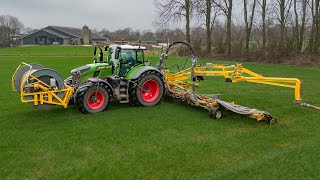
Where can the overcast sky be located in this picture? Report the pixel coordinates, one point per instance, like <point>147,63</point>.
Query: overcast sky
<point>109,14</point>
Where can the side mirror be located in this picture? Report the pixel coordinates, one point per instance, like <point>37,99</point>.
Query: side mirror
<point>117,53</point>
<point>147,63</point>
<point>95,51</point>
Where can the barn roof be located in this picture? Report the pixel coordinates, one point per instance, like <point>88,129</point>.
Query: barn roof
<point>76,32</point>
<point>63,32</point>
<point>69,30</point>
<point>55,33</point>
<point>46,30</point>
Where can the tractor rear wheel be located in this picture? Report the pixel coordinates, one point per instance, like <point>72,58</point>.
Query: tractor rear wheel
<point>148,90</point>
<point>95,99</point>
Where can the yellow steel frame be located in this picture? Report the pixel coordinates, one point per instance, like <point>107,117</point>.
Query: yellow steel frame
<point>236,73</point>
<point>15,73</point>
<point>179,92</point>
<point>45,93</point>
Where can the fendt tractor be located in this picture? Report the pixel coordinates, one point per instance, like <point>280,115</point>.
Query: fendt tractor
<point>126,76</point>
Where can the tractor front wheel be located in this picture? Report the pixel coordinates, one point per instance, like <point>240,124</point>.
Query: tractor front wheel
<point>148,90</point>
<point>95,99</point>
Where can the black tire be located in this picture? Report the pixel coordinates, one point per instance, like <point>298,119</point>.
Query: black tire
<point>86,100</point>
<point>269,119</point>
<point>138,88</point>
<point>216,114</point>
<point>272,121</point>
<point>71,100</point>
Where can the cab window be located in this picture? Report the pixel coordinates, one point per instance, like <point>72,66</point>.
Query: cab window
<point>128,55</point>
<point>140,55</point>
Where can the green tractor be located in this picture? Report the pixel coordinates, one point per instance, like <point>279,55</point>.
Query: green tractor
<point>123,75</point>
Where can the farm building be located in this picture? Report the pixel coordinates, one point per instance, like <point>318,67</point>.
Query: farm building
<point>63,35</point>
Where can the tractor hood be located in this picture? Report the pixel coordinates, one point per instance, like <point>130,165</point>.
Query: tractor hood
<point>82,73</point>
<point>80,70</point>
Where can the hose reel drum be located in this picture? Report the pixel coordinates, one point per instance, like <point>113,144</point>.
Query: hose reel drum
<point>32,74</point>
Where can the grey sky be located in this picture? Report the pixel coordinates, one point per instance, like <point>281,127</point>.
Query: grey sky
<point>109,14</point>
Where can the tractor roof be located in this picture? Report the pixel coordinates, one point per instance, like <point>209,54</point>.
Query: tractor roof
<point>132,47</point>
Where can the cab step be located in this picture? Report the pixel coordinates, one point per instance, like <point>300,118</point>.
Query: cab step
<point>123,91</point>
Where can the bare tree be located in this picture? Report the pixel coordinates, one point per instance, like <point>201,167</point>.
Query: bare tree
<point>283,14</point>
<point>263,5</point>
<point>314,27</point>
<point>187,16</point>
<point>314,36</point>
<point>226,7</point>
<point>207,10</point>
<point>300,20</point>
<point>228,4</point>
<point>208,24</point>
<point>174,11</point>
<point>27,30</point>
<point>148,36</point>
<point>303,25</point>
<point>9,26</point>
<point>283,25</point>
<point>248,20</point>
<point>296,28</point>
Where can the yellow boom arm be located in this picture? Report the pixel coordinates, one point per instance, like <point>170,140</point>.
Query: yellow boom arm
<point>235,73</point>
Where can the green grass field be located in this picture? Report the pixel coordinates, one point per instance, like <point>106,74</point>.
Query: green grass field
<point>171,140</point>
<point>47,51</point>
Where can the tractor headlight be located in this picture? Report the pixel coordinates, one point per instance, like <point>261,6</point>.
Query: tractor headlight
<point>75,71</point>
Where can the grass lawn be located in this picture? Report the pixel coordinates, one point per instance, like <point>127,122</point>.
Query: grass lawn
<point>48,51</point>
<point>171,140</point>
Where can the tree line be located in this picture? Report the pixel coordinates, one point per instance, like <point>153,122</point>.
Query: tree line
<point>278,27</point>
<point>131,35</point>
<point>250,28</point>
<point>9,27</point>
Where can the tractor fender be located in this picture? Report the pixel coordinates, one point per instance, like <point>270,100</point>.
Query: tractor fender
<point>101,81</point>
<point>141,71</point>
<point>92,82</point>
<point>81,89</point>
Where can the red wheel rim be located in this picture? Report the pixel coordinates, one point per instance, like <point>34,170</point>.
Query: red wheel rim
<point>96,100</point>
<point>150,90</point>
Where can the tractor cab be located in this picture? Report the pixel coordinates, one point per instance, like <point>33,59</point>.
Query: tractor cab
<point>125,57</point>
<point>129,57</point>
<point>116,61</point>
